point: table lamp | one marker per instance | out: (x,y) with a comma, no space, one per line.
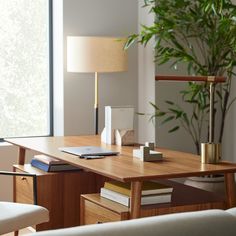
(96,54)
(210,152)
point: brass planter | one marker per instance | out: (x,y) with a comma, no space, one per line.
(210,153)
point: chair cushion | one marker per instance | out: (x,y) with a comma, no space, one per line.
(232,211)
(15,216)
(201,223)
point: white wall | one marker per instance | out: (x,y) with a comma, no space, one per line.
(229,139)
(58,68)
(98,18)
(146,82)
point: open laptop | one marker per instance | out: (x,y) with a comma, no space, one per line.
(84,151)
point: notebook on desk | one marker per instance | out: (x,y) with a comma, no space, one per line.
(84,151)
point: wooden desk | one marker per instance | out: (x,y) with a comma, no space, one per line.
(125,168)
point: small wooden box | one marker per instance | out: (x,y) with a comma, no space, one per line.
(95,209)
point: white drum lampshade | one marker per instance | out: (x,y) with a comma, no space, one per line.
(96,54)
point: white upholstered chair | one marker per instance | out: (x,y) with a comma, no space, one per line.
(16,216)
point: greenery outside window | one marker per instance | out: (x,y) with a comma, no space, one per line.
(25,68)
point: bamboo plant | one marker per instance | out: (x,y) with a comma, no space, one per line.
(201,34)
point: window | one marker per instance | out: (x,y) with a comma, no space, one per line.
(25,68)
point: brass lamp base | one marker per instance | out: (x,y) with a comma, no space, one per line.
(210,153)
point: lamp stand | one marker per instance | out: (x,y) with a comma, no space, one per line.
(210,152)
(96,104)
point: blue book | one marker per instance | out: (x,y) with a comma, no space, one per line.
(53,167)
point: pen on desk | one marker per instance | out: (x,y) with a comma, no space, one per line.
(93,157)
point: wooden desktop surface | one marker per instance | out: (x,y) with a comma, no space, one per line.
(124,167)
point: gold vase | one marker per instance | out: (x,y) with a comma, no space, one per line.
(210,153)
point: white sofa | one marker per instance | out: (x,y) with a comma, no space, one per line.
(199,223)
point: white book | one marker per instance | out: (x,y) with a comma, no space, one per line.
(125,200)
(110,139)
(155,199)
(114,196)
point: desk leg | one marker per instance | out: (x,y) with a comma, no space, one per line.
(230,190)
(136,188)
(21,156)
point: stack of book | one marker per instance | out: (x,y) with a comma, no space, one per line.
(152,192)
(51,164)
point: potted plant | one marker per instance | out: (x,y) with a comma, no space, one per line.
(201,34)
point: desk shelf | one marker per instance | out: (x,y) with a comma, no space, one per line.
(96,209)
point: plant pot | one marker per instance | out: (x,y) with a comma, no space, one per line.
(214,184)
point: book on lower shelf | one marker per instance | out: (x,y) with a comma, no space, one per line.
(50,164)
(48,160)
(148,187)
(125,199)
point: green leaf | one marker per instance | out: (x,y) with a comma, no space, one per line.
(154,106)
(152,118)
(169,118)
(174,110)
(178,113)
(219,94)
(192,101)
(159,114)
(131,40)
(169,102)
(185,117)
(173,129)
